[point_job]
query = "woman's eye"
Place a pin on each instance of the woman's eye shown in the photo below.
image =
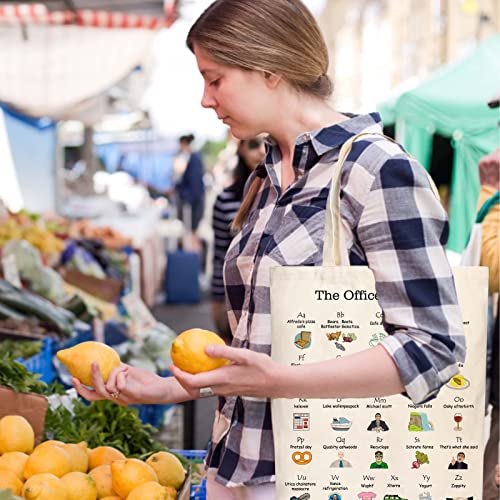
(215, 83)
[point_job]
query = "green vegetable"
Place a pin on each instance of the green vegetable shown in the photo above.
(21, 348)
(102, 423)
(16, 376)
(7, 312)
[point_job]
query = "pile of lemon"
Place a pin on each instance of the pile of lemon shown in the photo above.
(58, 471)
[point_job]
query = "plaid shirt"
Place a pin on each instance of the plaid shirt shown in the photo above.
(392, 223)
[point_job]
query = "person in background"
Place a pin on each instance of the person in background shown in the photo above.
(489, 176)
(250, 153)
(191, 191)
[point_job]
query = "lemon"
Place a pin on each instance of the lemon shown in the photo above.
(79, 359)
(128, 474)
(44, 487)
(152, 491)
(104, 455)
(102, 477)
(10, 481)
(16, 434)
(79, 456)
(188, 351)
(49, 459)
(168, 468)
(79, 486)
(15, 461)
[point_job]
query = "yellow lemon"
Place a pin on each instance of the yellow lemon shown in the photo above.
(168, 468)
(79, 456)
(44, 487)
(188, 351)
(16, 434)
(50, 442)
(110, 498)
(15, 461)
(104, 455)
(128, 474)
(79, 359)
(152, 491)
(51, 459)
(79, 486)
(10, 481)
(102, 477)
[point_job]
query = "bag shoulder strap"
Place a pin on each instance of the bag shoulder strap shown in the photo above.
(487, 206)
(334, 252)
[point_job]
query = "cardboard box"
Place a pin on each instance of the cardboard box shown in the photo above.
(32, 407)
(107, 289)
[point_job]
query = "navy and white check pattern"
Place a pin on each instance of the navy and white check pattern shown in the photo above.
(392, 222)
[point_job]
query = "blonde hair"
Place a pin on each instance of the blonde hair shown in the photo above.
(274, 36)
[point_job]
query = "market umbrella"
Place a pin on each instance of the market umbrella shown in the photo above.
(53, 63)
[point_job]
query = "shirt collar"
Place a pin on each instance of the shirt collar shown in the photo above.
(326, 139)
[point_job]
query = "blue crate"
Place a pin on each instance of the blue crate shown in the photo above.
(198, 491)
(42, 362)
(152, 414)
(115, 332)
(81, 333)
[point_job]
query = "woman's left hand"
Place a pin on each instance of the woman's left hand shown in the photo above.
(250, 374)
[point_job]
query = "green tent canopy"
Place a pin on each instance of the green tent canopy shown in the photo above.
(453, 103)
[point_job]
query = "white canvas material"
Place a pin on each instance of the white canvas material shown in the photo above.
(323, 447)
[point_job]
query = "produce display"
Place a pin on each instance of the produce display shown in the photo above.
(58, 470)
(188, 351)
(20, 304)
(79, 359)
(17, 377)
(21, 348)
(110, 237)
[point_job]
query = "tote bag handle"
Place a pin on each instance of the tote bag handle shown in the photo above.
(335, 248)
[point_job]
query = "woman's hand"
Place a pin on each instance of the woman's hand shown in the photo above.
(249, 374)
(126, 385)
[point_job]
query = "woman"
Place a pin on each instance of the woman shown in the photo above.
(191, 190)
(250, 153)
(265, 70)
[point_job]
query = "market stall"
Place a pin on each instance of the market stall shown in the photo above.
(453, 103)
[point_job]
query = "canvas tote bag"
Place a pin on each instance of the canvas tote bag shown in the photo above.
(323, 448)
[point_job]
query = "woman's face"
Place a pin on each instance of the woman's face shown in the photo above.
(241, 99)
(253, 151)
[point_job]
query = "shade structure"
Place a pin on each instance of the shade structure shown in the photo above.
(453, 102)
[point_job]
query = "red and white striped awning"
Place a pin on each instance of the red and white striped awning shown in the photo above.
(38, 13)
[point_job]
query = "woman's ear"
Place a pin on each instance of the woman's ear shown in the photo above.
(272, 79)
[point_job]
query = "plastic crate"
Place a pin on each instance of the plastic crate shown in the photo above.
(82, 333)
(198, 491)
(152, 414)
(41, 363)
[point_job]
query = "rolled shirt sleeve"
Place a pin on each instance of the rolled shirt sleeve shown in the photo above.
(403, 230)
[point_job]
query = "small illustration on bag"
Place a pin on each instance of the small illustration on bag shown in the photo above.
(394, 497)
(458, 382)
(335, 496)
(419, 422)
(341, 424)
(420, 459)
(341, 462)
(457, 418)
(425, 496)
(302, 457)
(378, 425)
(303, 340)
(367, 495)
(459, 462)
(304, 496)
(376, 338)
(379, 461)
(301, 421)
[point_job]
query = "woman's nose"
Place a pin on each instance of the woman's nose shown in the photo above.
(207, 100)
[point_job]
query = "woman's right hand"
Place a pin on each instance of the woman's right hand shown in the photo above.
(126, 385)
